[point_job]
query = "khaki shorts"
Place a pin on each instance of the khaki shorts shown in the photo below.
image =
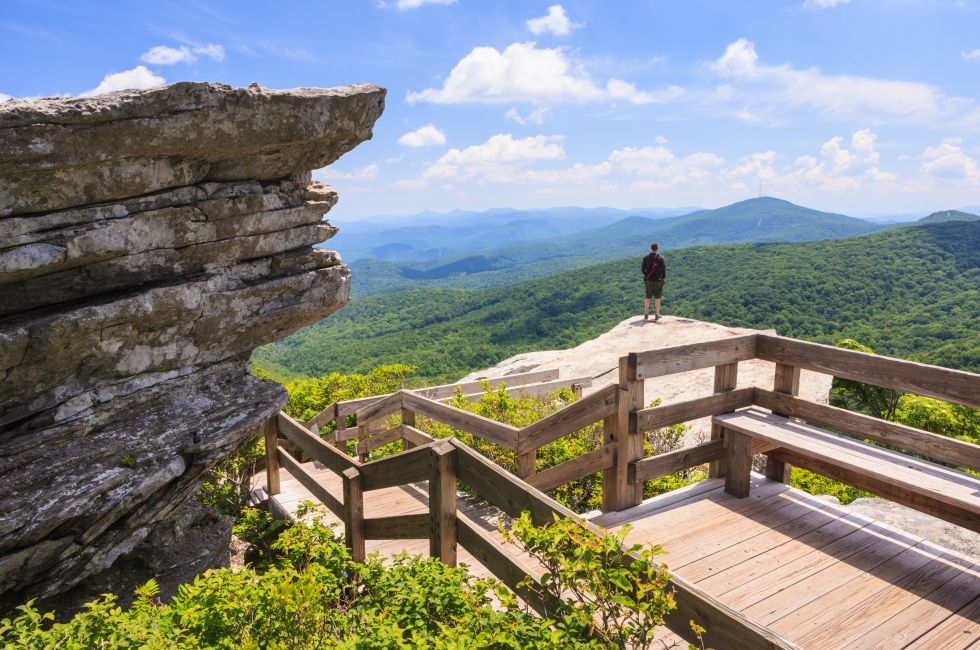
(655, 288)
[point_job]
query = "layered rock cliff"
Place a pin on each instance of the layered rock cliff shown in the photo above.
(149, 241)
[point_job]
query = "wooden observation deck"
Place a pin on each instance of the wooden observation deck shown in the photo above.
(756, 562)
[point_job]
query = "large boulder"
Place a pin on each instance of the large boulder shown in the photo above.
(149, 241)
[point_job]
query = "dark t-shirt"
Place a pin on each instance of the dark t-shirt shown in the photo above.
(654, 267)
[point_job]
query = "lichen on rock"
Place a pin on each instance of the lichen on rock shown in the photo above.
(149, 241)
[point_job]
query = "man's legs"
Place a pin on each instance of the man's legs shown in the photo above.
(656, 305)
(646, 307)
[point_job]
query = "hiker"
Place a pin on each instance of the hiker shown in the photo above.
(654, 276)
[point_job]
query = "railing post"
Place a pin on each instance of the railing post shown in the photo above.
(363, 431)
(786, 380)
(271, 432)
(442, 504)
(408, 418)
(354, 513)
(726, 379)
(737, 478)
(527, 464)
(623, 430)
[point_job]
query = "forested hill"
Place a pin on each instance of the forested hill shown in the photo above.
(911, 292)
(949, 215)
(763, 219)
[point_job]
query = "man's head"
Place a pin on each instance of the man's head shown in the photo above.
(655, 247)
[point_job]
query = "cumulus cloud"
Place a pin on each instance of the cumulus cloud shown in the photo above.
(843, 168)
(973, 55)
(165, 55)
(4, 97)
(366, 173)
(426, 136)
(500, 159)
(948, 162)
(523, 72)
(770, 88)
(138, 78)
(823, 4)
(555, 22)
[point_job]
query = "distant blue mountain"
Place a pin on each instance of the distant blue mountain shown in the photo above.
(763, 219)
(431, 235)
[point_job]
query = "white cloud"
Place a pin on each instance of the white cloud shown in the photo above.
(619, 89)
(844, 169)
(973, 55)
(407, 5)
(537, 116)
(823, 4)
(366, 173)
(4, 97)
(659, 167)
(500, 159)
(136, 79)
(426, 136)
(555, 22)
(165, 55)
(211, 50)
(948, 162)
(771, 88)
(660, 139)
(525, 73)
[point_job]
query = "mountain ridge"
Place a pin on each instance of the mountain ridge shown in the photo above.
(764, 219)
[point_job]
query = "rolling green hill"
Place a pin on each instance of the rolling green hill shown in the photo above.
(755, 220)
(911, 292)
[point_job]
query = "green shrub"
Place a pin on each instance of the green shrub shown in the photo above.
(309, 594)
(617, 601)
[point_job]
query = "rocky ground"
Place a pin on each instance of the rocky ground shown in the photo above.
(599, 359)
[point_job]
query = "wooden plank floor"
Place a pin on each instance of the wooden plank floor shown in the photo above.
(815, 574)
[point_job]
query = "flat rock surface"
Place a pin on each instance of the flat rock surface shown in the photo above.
(599, 359)
(59, 153)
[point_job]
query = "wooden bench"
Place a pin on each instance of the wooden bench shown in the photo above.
(934, 489)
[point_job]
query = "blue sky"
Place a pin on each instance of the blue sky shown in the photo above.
(855, 106)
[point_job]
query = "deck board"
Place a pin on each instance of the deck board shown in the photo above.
(822, 577)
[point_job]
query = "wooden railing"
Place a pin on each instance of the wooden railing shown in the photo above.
(535, 384)
(621, 409)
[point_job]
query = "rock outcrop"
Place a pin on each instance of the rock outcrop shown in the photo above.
(149, 241)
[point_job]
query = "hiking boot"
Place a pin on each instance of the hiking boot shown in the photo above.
(656, 318)
(645, 317)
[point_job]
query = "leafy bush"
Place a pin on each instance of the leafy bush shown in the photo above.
(309, 594)
(625, 600)
(227, 485)
(307, 397)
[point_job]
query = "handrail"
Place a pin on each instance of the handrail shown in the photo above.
(496, 432)
(693, 356)
(658, 417)
(314, 446)
(515, 382)
(573, 417)
(931, 445)
(946, 384)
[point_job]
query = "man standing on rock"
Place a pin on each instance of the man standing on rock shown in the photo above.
(654, 270)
